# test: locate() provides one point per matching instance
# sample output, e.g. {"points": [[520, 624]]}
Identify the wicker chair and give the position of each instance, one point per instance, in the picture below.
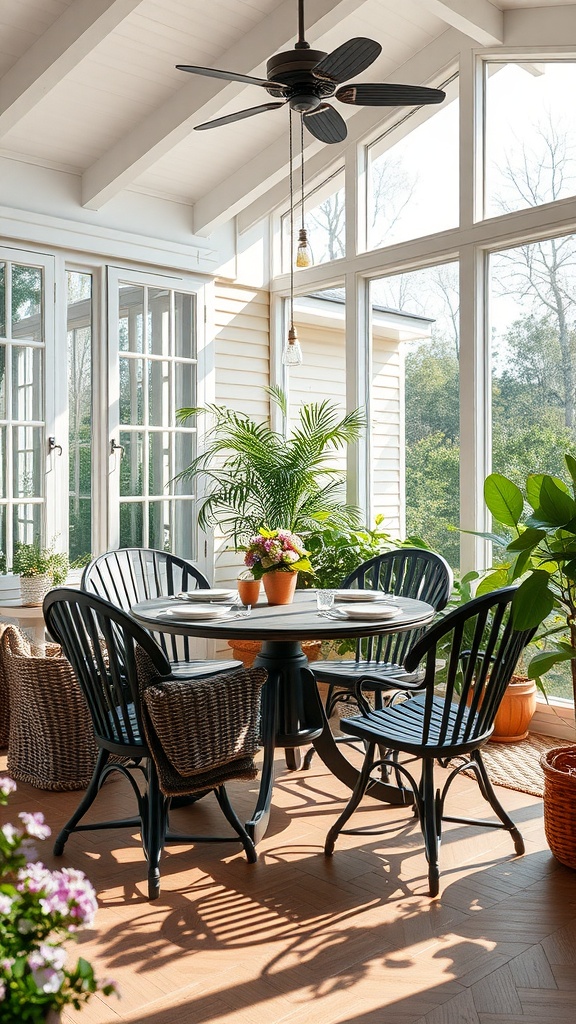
{"points": [[170, 736], [130, 575], [4, 702], [51, 743]]}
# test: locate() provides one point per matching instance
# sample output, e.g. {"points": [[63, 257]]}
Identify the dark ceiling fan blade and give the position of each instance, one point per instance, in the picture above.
{"points": [[238, 115], [326, 124], [230, 76], [388, 95], [348, 60]]}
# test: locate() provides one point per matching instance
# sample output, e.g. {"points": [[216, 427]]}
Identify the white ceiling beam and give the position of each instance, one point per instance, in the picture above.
{"points": [[68, 40], [261, 185], [199, 99], [478, 19]]}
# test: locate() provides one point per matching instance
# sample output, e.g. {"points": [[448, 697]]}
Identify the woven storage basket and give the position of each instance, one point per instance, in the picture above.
{"points": [[559, 767], [51, 743], [4, 702]]}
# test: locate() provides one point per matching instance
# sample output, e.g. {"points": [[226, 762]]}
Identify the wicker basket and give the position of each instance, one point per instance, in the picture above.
{"points": [[559, 767], [51, 742], [4, 702]]}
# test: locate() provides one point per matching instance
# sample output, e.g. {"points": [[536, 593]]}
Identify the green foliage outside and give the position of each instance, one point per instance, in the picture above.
{"points": [[529, 430]]}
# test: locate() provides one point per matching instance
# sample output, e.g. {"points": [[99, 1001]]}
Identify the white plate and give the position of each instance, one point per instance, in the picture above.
{"points": [[362, 595], [369, 611], [197, 611], [207, 595]]}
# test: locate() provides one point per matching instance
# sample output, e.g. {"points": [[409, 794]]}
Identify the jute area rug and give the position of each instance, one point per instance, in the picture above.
{"points": [[517, 765]]}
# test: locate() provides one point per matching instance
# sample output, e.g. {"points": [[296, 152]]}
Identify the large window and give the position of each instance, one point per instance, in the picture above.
{"points": [[413, 178], [324, 220], [533, 362], [530, 134], [415, 429]]}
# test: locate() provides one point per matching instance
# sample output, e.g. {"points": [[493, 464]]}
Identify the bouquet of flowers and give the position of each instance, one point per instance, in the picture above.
{"points": [[270, 550], [38, 909]]}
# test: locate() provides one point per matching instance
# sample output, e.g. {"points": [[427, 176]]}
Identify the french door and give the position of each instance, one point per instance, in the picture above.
{"points": [[90, 382], [32, 398], [155, 332]]}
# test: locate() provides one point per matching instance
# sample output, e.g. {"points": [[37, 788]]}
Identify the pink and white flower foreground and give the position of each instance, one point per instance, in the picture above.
{"points": [[270, 550], [38, 910]]}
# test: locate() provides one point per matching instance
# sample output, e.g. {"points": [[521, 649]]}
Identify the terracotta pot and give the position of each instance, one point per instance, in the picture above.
{"points": [[246, 650], [515, 712], [248, 590], [280, 586]]}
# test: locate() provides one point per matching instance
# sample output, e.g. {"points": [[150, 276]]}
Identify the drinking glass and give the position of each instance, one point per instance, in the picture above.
{"points": [[325, 600]]}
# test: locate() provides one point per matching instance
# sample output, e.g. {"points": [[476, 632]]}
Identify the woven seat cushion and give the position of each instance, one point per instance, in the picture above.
{"points": [[203, 732], [51, 742]]}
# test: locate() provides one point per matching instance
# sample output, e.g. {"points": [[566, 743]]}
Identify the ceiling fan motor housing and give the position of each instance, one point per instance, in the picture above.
{"points": [[293, 69]]}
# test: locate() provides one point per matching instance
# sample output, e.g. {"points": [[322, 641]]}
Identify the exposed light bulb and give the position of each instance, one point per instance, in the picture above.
{"points": [[292, 354], [304, 256]]}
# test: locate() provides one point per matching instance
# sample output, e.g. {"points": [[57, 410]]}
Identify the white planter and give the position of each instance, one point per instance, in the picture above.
{"points": [[33, 589], [9, 587]]}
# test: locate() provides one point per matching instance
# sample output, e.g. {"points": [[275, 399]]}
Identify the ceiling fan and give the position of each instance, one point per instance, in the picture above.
{"points": [[305, 78]]}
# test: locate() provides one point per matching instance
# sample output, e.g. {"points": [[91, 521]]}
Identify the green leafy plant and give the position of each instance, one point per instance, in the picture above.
{"points": [[542, 554], [254, 476], [335, 553], [31, 560], [39, 909]]}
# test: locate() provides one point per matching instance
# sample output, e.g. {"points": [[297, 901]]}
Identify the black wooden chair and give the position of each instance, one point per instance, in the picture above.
{"points": [[116, 661], [130, 575], [468, 658], [405, 572]]}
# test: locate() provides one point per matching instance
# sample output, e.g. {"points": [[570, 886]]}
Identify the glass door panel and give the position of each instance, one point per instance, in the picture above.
{"points": [[155, 324], [27, 403]]}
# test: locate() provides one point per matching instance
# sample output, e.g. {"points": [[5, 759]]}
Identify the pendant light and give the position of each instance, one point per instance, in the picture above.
{"points": [[304, 256], [292, 354]]}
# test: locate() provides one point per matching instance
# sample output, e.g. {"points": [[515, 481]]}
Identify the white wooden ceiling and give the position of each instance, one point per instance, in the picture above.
{"points": [[90, 86]]}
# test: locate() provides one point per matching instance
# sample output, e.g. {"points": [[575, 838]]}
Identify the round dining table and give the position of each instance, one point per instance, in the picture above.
{"points": [[292, 714]]}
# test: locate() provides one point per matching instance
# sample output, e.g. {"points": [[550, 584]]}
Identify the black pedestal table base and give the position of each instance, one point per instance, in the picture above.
{"points": [[292, 717]]}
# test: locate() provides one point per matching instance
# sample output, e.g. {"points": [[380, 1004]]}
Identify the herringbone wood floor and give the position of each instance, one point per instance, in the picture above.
{"points": [[301, 939]]}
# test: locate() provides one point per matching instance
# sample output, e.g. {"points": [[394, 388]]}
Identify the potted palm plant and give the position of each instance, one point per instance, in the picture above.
{"points": [[255, 478]]}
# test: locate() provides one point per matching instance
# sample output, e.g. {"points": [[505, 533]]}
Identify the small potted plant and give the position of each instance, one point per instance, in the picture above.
{"points": [[276, 557], [248, 587], [39, 909], [40, 569]]}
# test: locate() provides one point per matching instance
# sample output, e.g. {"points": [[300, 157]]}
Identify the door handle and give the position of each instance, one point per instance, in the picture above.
{"points": [[116, 448], [53, 447]]}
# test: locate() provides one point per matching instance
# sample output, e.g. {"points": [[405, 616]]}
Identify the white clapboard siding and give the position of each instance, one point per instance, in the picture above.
{"points": [[387, 432], [242, 371], [322, 375]]}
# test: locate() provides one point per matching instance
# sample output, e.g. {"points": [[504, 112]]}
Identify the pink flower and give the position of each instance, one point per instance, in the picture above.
{"points": [[7, 786], [34, 825]]}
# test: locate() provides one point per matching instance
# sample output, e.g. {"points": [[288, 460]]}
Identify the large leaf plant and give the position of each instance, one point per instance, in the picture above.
{"points": [[542, 554], [252, 476]]}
